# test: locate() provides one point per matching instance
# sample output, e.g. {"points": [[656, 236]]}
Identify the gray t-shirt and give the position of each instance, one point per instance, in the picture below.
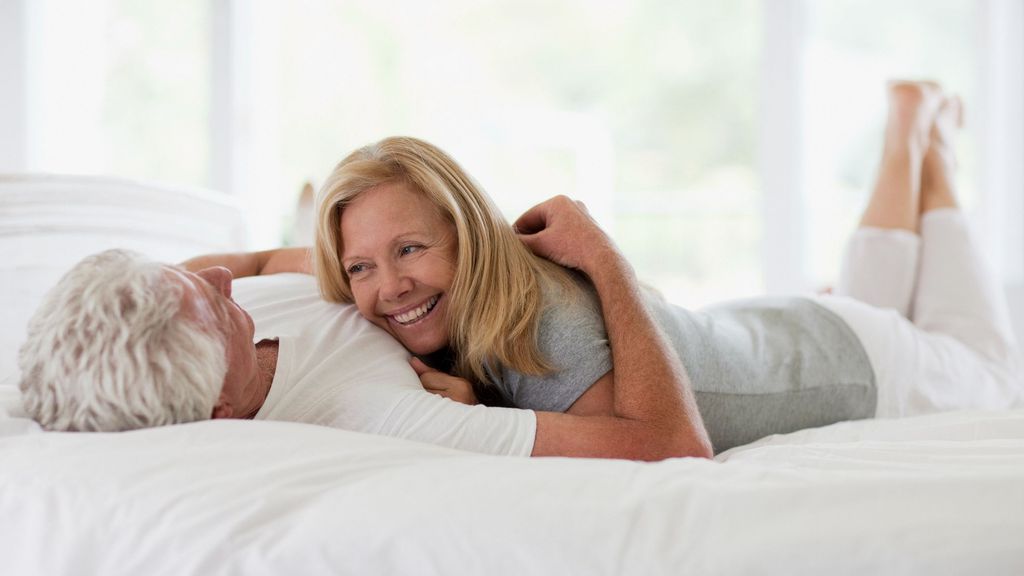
{"points": [[757, 367]]}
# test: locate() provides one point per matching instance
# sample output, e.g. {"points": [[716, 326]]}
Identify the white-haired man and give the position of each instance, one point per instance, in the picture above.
{"points": [[122, 343]]}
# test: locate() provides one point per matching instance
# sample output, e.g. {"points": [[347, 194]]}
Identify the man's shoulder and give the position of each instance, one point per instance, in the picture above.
{"points": [[288, 305]]}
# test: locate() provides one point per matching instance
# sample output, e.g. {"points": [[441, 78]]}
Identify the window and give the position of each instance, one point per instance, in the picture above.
{"points": [[645, 110], [654, 112], [852, 48], [120, 87]]}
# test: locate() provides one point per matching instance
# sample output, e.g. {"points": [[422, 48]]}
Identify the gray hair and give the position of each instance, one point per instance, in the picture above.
{"points": [[108, 350]]}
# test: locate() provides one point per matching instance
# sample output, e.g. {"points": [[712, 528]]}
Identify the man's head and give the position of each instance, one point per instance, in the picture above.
{"points": [[122, 343]]}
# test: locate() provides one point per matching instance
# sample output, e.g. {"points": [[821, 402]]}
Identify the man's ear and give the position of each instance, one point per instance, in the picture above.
{"points": [[222, 409]]}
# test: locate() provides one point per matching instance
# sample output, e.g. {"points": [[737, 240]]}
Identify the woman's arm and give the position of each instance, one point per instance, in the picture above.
{"points": [[255, 263], [654, 413]]}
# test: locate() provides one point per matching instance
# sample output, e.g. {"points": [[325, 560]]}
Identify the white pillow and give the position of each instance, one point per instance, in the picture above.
{"points": [[51, 222]]}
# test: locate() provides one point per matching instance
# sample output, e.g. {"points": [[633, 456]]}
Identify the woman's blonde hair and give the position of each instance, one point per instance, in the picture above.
{"points": [[495, 300]]}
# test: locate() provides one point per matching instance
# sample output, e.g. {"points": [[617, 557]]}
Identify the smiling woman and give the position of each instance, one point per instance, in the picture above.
{"points": [[399, 224], [407, 235], [399, 255]]}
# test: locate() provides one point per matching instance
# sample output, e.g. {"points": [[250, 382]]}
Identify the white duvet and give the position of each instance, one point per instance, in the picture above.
{"points": [[930, 495]]}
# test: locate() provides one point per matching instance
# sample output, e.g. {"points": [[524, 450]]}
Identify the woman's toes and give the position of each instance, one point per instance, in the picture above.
{"points": [[912, 110]]}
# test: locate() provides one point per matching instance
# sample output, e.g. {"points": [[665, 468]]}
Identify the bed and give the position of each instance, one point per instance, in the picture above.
{"points": [[940, 494]]}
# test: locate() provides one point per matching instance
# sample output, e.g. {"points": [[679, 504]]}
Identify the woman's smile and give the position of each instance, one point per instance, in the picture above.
{"points": [[415, 314]]}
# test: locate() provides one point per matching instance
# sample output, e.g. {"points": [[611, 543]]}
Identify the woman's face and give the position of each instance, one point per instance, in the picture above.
{"points": [[399, 255]]}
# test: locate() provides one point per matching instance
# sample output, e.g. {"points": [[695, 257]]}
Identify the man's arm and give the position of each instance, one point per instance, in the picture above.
{"points": [[244, 264], [654, 413]]}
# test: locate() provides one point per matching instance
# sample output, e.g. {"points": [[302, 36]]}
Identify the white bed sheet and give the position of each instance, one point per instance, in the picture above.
{"points": [[930, 495]]}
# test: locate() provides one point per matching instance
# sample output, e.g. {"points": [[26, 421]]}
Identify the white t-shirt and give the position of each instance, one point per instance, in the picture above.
{"points": [[335, 368]]}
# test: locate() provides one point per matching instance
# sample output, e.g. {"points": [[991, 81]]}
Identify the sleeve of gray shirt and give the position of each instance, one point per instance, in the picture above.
{"points": [[573, 340]]}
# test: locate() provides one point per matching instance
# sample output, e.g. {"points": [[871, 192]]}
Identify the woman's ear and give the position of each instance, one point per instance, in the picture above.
{"points": [[222, 409]]}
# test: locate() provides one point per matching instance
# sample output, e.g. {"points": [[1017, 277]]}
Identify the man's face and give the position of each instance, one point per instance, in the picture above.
{"points": [[207, 299]]}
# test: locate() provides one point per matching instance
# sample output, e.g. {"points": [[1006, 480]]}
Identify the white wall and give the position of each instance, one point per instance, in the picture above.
{"points": [[244, 109], [14, 69], [781, 148], [1001, 122]]}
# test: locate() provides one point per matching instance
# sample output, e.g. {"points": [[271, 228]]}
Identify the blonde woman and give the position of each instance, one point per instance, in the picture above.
{"points": [[424, 255], [492, 309]]}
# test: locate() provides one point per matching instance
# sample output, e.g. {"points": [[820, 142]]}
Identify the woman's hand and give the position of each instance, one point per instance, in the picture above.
{"points": [[436, 382]]}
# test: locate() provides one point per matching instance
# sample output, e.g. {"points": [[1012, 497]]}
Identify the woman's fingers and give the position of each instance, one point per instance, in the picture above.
{"points": [[434, 383], [419, 366], [452, 387]]}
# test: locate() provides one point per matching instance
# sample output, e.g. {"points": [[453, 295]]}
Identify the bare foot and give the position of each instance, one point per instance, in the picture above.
{"points": [[938, 170], [896, 199], [913, 107]]}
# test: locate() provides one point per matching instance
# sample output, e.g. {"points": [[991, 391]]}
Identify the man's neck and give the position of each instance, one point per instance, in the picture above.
{"points": [[266, 361]]}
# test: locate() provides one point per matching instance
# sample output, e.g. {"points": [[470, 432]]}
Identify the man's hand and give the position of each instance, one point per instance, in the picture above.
{"points": [[442, 384], [562, 230], [242, 264]]}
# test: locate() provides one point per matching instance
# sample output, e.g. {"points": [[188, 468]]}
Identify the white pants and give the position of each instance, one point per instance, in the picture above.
{"points": [[931, 317]]}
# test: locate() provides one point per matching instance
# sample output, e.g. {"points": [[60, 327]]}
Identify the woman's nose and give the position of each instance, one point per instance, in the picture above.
{"points": [[394, 284], [219, 277]]}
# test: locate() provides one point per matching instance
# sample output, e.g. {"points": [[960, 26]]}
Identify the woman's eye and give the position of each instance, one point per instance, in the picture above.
{"points": [[409, 249], [356, 269]]}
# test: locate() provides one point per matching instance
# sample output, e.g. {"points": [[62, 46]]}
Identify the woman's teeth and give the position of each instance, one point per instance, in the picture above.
{"points": [[415, 314]]}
